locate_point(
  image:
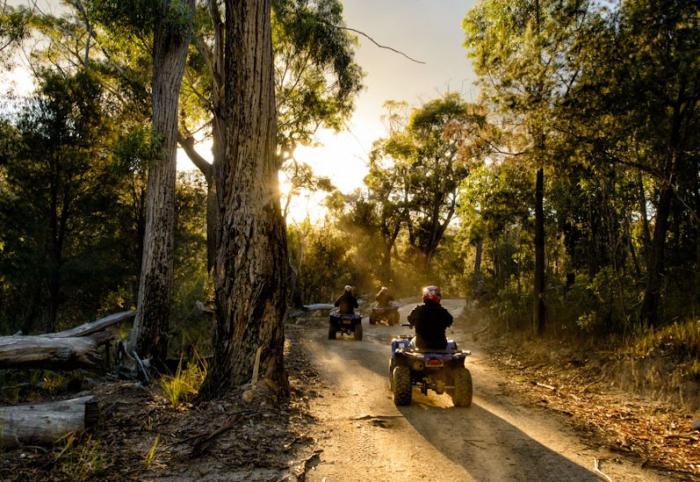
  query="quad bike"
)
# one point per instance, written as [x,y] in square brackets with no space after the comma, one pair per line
[348,324]
[438,370]
[388,313]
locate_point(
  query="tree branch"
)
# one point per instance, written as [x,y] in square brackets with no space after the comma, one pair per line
[359,32]
[187,144]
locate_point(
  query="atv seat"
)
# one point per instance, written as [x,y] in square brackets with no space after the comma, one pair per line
[450,348]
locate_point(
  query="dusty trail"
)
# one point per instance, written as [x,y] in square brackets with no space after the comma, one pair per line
[364,437]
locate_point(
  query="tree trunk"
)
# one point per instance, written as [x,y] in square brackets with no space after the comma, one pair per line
[477,257]
[646,237]
[170,43]
[46,423]
[387,272]
[250,273]
[655,270]
[539,309]
[51,353]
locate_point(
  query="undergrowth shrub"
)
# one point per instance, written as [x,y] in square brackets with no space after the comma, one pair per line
[185,382]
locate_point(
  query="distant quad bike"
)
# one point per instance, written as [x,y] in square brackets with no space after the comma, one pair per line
[348,324]
[388,314]
[438,370]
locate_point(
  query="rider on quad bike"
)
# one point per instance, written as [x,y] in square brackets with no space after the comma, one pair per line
[430,321]
[384,297]
[343,319]
[429,361]
[346,302]
[385,309]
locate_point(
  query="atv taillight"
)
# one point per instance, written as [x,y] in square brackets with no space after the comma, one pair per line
[434,362]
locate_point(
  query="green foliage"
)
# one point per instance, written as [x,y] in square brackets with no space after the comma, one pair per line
[13,29]
[72,191]
[140,16]
[317,77]
[191,280]
[57,205]
[601,97]
[324,260]
[415,172]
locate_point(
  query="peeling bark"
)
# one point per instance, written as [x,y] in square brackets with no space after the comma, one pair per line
[250,274]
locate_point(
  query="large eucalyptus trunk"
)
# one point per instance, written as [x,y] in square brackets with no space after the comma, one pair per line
[250,273]
[170,42]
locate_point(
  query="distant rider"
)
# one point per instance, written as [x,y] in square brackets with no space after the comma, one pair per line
[430,321]
[346,302]
[384,297]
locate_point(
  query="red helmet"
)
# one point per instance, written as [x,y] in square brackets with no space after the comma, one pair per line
[431,293]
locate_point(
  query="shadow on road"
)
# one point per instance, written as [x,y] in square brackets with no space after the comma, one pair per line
[488,447]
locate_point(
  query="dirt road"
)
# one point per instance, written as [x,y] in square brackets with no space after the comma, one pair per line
[364,437]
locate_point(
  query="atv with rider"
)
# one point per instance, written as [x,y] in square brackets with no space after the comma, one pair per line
[388,314]
[438,370]
[385,308]
[429,360]
[343,318]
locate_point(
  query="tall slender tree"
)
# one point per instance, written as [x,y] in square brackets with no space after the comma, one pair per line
[171,38]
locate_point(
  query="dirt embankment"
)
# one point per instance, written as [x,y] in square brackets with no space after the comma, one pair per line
[607,397]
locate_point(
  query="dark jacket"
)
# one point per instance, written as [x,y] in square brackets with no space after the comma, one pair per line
[384,298]
[346,303]
[430,321]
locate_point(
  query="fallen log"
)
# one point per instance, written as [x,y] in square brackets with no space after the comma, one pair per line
[45,423]
[50,353]
[318,307]
[92,327]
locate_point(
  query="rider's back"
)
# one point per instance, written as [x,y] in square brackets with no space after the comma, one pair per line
[346,303]
[430,321]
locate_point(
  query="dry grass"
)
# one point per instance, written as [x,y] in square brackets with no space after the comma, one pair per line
[636,395]
[80,460]
[681,339]
[185,383]
[150,456]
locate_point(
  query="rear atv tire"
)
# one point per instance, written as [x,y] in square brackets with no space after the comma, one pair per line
[392,365]
[463,389]
[372,320]
[331,332]
[401,386]
[358,332]
[394,318]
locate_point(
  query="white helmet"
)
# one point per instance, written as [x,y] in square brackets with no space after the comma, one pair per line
[348,288]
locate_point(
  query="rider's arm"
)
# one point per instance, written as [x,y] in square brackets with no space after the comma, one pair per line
[412,317]
[448,318]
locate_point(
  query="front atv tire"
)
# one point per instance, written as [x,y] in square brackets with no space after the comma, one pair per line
[401,386]
[331,332]
[372,320]
[463,390]
[357,332]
